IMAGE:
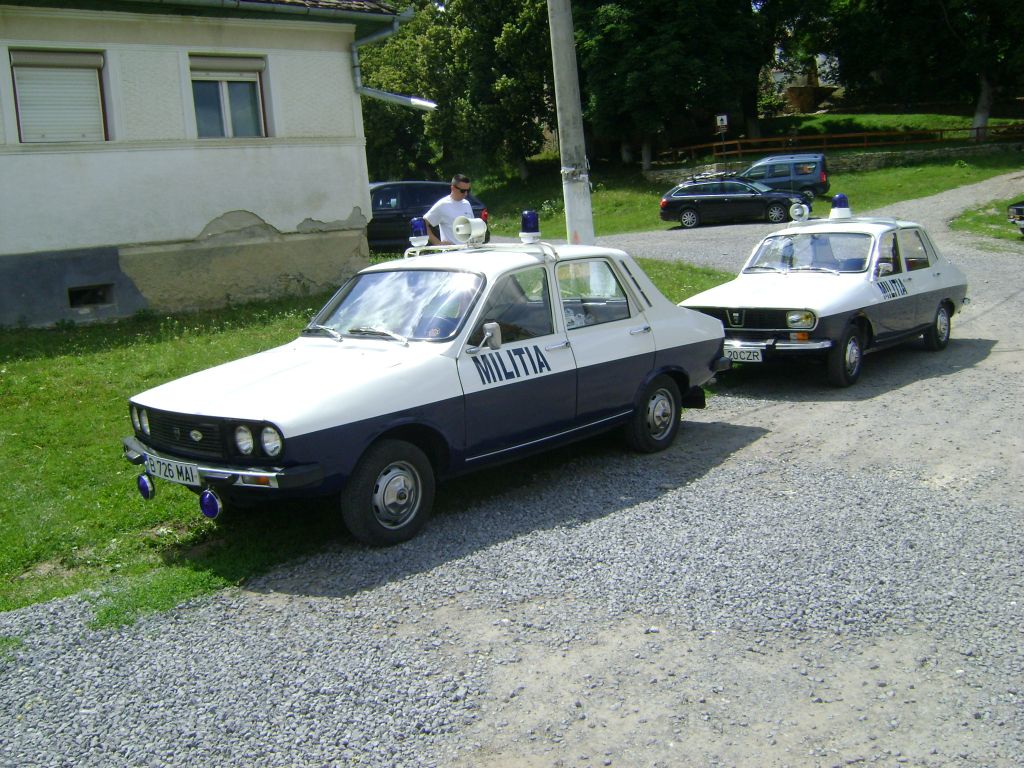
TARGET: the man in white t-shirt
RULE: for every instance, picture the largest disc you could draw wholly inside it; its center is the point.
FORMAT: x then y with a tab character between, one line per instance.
447	209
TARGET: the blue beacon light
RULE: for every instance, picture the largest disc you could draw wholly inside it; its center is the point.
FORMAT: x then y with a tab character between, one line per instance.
529	227
418	227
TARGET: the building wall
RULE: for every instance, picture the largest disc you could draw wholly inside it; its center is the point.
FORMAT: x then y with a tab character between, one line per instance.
280	213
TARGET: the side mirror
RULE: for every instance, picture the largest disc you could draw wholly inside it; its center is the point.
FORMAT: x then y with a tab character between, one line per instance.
491	340
884	268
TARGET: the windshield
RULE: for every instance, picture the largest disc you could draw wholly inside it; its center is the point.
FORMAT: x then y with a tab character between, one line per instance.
400	305
820	251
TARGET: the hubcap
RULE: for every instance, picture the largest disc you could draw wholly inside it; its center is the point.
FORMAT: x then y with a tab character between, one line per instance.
852	355
396	496
659	414
942	325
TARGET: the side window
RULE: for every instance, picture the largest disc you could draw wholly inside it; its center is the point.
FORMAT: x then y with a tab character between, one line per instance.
913	249
417	196
779	170
228	96
58	96
520	303
804	169
590	293
734	188
385	199
757	172
889	252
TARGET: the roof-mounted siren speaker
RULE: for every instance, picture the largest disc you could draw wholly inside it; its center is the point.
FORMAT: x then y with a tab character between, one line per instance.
469	230
799	212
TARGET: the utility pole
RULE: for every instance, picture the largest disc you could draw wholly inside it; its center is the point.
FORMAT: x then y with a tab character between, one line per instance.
579	217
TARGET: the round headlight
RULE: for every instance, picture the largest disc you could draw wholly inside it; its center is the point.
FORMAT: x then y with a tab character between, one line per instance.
243	439
800	318
135	418
144	421
272	441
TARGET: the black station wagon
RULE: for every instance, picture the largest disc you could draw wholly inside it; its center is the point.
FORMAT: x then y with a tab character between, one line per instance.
698	202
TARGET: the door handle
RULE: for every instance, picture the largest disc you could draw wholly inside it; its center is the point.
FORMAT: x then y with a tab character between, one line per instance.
560	345
638	331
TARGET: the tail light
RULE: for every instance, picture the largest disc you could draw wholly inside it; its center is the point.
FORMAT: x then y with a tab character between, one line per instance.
483	214
824	177
663	202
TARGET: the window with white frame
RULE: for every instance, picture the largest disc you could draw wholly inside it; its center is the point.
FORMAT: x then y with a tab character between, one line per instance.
227	91
58	95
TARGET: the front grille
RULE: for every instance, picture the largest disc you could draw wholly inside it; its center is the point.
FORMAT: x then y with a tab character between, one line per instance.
749	319
176	433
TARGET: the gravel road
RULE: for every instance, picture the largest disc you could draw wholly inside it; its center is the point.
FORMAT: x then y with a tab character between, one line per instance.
809	577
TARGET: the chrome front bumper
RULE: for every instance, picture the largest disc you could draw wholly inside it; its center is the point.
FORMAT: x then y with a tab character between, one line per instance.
304	475
779	345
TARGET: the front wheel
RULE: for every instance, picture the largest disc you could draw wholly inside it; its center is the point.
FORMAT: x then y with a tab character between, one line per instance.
655	423
689	218
389	495
937	335
845	358
776	213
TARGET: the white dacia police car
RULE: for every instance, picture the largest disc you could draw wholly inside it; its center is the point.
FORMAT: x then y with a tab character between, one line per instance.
419	369
837	288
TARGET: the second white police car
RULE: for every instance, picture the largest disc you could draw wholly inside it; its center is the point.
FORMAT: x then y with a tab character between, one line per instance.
446	361
837	288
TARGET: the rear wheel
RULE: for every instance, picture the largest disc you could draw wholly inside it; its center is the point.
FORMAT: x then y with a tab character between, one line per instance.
776	213
689	218
808	194
937	335
389	495
845	358
655	424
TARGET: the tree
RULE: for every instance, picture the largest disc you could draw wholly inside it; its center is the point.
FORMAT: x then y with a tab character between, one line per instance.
487	65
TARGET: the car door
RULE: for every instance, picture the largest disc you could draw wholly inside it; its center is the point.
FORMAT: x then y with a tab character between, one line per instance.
895	310
524	390
610	337
922	279
740	202
388	222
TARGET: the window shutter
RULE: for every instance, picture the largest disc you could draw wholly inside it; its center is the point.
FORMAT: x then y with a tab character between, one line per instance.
59	104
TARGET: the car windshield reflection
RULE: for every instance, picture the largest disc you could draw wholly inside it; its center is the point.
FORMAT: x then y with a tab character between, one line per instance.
402	305
813	252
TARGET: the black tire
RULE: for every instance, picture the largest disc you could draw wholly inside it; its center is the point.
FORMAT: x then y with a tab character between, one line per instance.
808	194
390	494
937	335
689	218
777	213
846	358
654	425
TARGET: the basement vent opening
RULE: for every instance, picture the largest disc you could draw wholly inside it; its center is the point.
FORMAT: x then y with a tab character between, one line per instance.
90	296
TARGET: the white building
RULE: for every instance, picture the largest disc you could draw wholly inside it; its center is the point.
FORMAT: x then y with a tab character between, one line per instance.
177	154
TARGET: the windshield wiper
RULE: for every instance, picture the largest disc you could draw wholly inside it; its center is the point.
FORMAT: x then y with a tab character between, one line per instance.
813	268
329	331
366	331
762	266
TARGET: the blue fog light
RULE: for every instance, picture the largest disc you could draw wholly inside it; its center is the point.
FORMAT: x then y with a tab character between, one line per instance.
146	486
210	504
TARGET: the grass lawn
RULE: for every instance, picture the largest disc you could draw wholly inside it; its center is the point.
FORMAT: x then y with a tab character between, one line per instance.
72	519
990	220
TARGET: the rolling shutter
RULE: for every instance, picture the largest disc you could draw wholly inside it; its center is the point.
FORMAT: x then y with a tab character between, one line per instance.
58	96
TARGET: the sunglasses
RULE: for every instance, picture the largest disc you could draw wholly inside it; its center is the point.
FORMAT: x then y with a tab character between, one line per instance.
463	190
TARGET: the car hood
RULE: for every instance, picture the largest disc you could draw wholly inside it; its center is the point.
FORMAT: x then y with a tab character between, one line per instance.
789	290
286	384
